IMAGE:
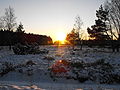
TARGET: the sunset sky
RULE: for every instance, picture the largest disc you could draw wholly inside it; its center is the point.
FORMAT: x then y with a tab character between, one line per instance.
48	17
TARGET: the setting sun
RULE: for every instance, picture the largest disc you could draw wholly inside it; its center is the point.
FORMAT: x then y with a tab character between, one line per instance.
61	36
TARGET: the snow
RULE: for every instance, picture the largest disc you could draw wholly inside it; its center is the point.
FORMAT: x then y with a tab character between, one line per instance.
56	86
37	77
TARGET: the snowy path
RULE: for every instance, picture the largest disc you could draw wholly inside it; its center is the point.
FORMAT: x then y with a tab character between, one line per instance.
62	86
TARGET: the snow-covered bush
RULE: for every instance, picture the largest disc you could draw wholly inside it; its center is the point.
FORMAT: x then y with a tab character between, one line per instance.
28	49
26	68
59	68
116	78
79	71
5	68
99	71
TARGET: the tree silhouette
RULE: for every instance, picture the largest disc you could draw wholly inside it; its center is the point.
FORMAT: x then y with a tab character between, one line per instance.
75	36
99	30
9	19
8	22
113	6
72	37
78	26
20	28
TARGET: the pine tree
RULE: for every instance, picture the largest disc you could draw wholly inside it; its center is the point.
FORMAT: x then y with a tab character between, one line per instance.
20	28
99	30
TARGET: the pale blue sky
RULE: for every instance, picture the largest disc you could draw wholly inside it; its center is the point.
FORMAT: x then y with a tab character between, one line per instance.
48	17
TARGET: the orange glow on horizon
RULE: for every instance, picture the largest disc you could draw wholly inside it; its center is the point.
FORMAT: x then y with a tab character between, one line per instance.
61	36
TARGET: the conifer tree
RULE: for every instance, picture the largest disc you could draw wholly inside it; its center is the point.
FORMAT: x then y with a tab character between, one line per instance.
99	30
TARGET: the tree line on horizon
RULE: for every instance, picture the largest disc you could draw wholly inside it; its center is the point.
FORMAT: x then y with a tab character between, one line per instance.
9	38
11	34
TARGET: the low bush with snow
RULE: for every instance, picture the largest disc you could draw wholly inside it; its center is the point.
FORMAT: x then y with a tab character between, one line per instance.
20	49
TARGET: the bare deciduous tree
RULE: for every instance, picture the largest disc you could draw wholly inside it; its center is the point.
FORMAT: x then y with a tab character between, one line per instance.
113	6
78	25
8	22
76	35
78	28
9	19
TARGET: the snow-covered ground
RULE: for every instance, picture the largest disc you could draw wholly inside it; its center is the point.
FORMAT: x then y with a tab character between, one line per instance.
55	86
20	75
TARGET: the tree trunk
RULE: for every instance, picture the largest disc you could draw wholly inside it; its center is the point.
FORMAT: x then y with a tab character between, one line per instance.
81	44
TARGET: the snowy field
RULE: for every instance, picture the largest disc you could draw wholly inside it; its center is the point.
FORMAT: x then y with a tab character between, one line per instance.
31	72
